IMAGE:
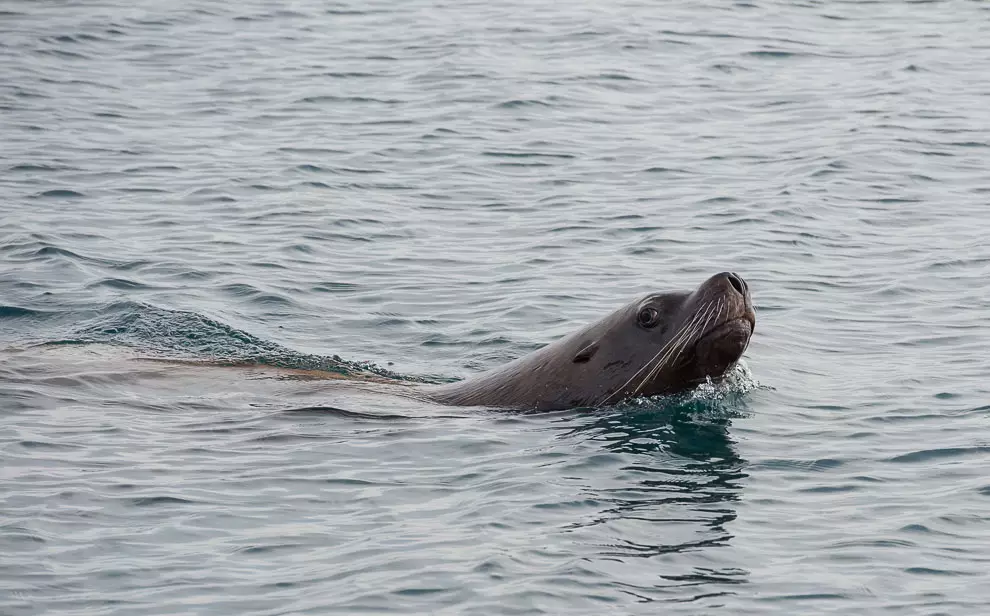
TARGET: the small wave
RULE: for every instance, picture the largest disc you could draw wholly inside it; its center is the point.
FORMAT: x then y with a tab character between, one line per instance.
268	549
154	501
929	455
59	193
503	154
665	170
339	412
122	284
514	103
62	53
255	295
769	53
48	445
41	167
330	98
48	250
16	312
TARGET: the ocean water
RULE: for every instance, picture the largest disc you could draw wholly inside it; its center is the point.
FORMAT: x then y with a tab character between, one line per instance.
436	188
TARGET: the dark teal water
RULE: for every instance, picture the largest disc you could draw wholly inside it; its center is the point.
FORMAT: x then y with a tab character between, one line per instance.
439	187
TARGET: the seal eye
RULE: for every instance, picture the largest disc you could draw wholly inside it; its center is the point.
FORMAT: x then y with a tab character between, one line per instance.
649	317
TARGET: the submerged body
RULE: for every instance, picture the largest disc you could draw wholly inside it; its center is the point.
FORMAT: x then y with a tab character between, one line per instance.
659	344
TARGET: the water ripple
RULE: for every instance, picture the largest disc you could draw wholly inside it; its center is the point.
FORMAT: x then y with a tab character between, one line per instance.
410	190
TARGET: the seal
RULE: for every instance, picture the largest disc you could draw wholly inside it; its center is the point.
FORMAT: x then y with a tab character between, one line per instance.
659	344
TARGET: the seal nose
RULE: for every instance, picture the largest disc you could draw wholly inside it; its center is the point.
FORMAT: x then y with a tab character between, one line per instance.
737	282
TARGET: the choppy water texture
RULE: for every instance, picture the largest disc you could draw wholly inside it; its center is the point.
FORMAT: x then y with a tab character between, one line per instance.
436	188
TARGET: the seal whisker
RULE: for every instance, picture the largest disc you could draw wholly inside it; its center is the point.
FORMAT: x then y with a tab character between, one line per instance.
683	337
694	328
695	333
680	342
672	340
716	314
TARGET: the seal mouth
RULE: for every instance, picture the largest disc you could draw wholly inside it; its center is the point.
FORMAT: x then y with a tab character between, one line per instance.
723	345
739	326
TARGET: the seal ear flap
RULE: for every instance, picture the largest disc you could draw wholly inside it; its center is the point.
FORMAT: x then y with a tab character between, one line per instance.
586	353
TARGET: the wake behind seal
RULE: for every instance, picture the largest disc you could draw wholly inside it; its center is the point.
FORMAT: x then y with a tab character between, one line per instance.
663	343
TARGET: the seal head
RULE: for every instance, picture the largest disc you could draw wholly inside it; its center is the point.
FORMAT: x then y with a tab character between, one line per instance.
659	344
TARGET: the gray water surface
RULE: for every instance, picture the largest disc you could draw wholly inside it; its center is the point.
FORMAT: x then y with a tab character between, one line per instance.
436	188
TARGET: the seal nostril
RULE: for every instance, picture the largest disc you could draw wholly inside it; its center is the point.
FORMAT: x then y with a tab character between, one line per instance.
736	283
